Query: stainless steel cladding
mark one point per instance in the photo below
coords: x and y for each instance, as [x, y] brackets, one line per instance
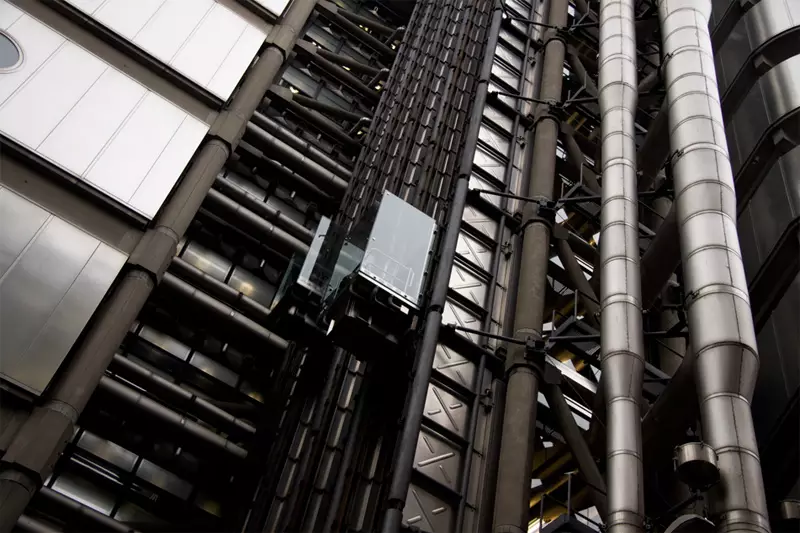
[720, 321]
[620, 293]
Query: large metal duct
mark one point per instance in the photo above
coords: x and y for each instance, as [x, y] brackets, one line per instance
[622, 344]
[189, 430]
[717, 302]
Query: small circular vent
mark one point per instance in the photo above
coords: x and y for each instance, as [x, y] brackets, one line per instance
[10, 54]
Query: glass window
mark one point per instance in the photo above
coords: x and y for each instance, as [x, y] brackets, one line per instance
[489, 163]
[113, 453]
[329, 97]
[506, 75]
[494, 139]
[131, 513]
[508, 56]
[163, 479]
[323, 37]
[511, 38]
[251, 286]
[165, 342]
[206, 260]
[275, 7]
[499, 118]
[212, 368]
[83, 491]
[10, 54]
[300, 80]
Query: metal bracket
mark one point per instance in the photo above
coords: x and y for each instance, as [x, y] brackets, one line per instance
[544, 211]
[487, 401]
[280, 38]
[535, 352]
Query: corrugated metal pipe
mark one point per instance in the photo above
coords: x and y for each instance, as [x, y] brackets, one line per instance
[717, 300]
[189, 428]
[162, 387]
[622, 344]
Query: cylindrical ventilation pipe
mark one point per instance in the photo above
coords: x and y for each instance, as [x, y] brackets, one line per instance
[328, 109]
[286, 155]
[83, 515]
[266, 232]
[346, 61]
[162, 387]
[223, 316]
[189, 428]
[31, 525]
[305, 148]
[717, 301]
[622, 343]
[261, 208]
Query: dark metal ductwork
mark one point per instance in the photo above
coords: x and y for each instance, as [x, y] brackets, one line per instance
[291, 158]
[160, 386]
[303, 147]
[238, 326]
[266, 232]
[187, 428]
[261, 208]
[82, 514]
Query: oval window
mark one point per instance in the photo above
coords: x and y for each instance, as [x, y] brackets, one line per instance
[10, 54]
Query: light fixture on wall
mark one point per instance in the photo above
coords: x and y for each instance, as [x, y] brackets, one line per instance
[10, 53]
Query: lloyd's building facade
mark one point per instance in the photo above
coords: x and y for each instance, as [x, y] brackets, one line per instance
[383, 265]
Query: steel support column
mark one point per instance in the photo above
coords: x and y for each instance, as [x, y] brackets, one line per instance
[519, 419]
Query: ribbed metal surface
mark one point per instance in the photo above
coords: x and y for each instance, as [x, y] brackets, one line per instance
[412, 147]
[718, 306]
[622, 345]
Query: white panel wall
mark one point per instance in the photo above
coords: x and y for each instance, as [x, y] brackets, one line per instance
[202, 39]
[275, 7]
[85, 116]
[53, 275]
